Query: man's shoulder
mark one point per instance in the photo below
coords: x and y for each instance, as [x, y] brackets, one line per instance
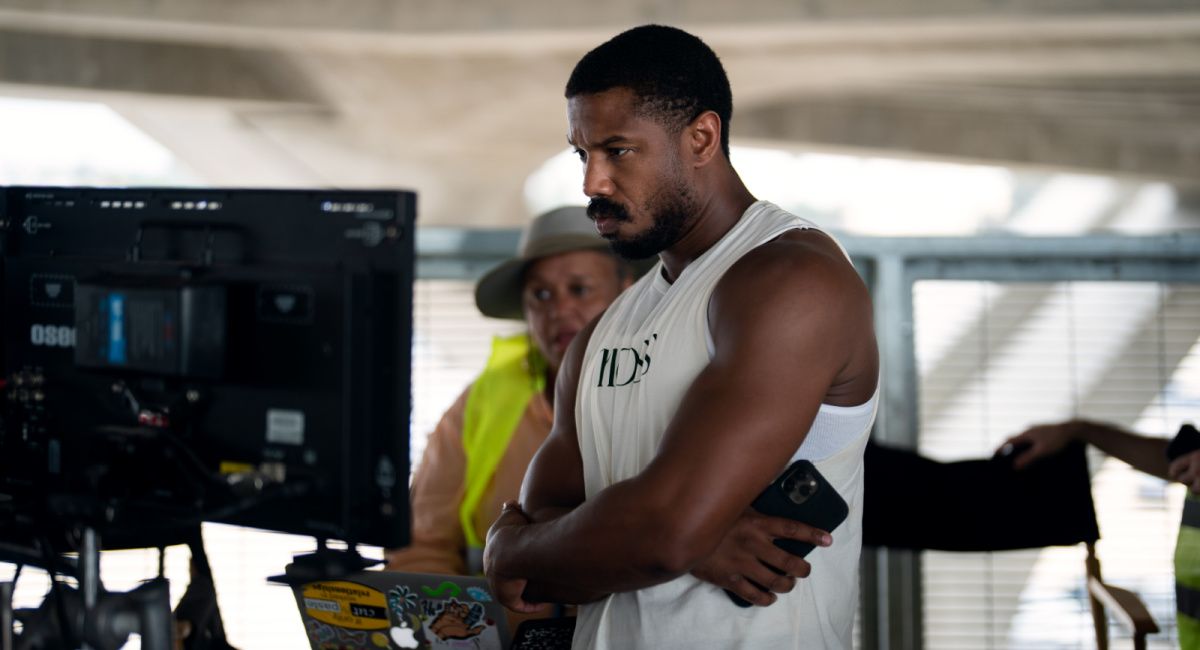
[799, 281]
[797, 260]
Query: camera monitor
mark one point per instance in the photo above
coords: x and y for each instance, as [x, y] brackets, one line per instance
[172, 356]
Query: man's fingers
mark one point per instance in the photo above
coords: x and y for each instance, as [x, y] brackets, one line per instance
[793, 565]
[748, 591]
[775, 582]
[1189, 477]
[510, 593]
[523, 606]
[746, 562]
[778, 527]
[1181, 469]
[1023, 459]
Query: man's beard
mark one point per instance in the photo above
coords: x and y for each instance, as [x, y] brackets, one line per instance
[669, 211]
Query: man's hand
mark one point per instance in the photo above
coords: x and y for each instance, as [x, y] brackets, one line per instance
[509, 590]
[1040, 441]
[740, 562]
[1186, 470]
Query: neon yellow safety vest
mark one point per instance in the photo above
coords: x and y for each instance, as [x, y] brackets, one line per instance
[515, 372]
[1187, 575]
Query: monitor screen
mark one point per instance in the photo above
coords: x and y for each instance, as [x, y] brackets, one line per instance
[172, 356]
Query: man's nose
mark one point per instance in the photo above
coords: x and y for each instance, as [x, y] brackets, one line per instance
[596, 181]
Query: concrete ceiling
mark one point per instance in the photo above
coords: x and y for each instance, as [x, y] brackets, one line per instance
[462, 100]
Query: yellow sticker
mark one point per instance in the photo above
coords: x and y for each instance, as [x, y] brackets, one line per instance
[346, 604]
[230, 467]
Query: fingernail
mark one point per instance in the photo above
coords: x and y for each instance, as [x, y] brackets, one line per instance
[826, 540]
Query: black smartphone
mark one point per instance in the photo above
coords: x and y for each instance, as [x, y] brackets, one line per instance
[1184, 442]
[802, 494]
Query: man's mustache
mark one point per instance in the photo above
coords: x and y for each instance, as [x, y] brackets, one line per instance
[605, 208]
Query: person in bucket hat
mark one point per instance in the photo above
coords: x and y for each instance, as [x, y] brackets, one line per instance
[498, 293]
[561, 278]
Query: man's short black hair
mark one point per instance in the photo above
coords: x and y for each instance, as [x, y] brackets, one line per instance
[674, 75]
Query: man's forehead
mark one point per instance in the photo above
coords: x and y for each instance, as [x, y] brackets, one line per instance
[597, 116]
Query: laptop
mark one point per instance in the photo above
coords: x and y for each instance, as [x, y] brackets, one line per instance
[399, 610]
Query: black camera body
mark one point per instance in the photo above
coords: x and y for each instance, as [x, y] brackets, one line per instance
[171, 356]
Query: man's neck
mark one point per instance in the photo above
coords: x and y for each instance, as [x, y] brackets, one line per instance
[715, 217]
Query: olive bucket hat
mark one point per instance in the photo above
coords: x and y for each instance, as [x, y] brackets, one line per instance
[562, 230]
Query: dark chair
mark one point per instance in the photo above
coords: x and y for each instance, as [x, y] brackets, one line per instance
[985, 505]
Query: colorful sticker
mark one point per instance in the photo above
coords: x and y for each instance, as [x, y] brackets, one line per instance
[320, 633]
[346, 605]
[446, 587]
[402, 599]
[441, 623]
[452, 624]
[356, 639]
[479, 594]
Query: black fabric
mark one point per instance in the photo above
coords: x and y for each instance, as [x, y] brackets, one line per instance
[1187, 601]
[1191, 513]
[978, 505]
[1185, 441]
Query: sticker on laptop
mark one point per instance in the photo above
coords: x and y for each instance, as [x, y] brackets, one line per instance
[346, 605]
[440, 623]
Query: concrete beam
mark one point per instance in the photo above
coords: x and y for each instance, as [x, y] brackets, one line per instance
[156, 68]
[416, 16]
[1135, 140]
[461, 101]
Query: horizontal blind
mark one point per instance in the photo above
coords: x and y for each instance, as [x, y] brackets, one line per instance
[451, 342]
[996, 358]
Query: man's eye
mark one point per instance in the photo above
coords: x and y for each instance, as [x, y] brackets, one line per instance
[618, 152]
[581, 154]
[581, 289]
[541, 295]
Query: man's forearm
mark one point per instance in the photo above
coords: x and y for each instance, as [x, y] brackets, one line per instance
[549, 513]
[544, 592]
[1143, 453]
[611, 543]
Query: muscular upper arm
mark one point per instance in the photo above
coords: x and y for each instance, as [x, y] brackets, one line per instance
[792, 328]
[554, 480]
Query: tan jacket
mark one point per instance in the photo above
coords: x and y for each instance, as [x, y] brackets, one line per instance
[438, 544]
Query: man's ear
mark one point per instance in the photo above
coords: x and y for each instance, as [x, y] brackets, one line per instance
[703, 138]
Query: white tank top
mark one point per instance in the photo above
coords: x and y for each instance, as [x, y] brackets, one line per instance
[643, 355]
